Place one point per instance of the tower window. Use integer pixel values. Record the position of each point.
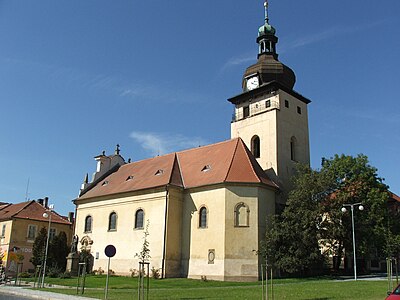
(293, 146)
(287, 103)
(246, 111)
(255, 146)
(299, 110)
(268, 103)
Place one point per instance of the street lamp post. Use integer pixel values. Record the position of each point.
(361, 208)
(46, 215)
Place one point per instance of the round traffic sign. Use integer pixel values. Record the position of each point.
(110, 250)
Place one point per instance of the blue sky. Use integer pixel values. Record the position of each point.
(78, 77)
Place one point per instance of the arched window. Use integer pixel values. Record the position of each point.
(203, 217)
(255, 146)
(112, 222)
(293, 149)
(242, 214)
(139, 216)
(88, 224)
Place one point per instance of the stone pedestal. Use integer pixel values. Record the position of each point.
(73, 263)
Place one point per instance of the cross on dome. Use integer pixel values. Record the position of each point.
(266, 11)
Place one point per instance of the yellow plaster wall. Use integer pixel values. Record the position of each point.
(173, 233)
(290, 123)
(241, 261)
(262, 124)
(16, 236)
(197, 241)
(275, 126)
(5, 240)
(127, 240)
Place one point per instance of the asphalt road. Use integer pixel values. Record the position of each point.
(13, 297)
(14, 293)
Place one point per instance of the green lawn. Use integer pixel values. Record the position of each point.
(300, 289)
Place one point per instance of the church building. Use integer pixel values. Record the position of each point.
(205, 208)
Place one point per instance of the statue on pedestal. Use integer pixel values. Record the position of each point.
(73, 257)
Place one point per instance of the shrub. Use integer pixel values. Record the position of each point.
(155, 273)
(24, 275)
(54, 272)
(100, 271)
(65, 275)
(134, 272)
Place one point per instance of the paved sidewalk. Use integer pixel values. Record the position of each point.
(36, 294)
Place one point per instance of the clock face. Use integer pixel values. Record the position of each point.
(252, 83)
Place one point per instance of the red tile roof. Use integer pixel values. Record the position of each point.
(30, 210)
(228, 161)
(394, 196)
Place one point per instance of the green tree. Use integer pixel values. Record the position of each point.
(291, 243)
(58, 251)
(353, 180)
(38, 248)
(393, 248)
(144, 254)
(313, 220)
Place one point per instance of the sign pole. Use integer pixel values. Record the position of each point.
(108, 271)
(109, 252)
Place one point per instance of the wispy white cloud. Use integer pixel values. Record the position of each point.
(328, 33)
(238, 61)
(162, 92)
(162, 143)
(131, 90)
(304, 41)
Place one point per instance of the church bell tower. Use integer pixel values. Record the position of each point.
(269, 116)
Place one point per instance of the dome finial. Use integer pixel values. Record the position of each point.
(266, 12)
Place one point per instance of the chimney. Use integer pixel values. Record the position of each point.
(46, 202)
(71, 217)
(40, 201)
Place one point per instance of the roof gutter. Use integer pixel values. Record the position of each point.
(165, 233)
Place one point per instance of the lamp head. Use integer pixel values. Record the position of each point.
(343, 209)
(360, 207)
(45, 214)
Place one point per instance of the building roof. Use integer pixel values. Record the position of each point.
(225, 162)
(30, 210)
(394, 197)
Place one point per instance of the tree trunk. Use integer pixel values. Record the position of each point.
(338, 261)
